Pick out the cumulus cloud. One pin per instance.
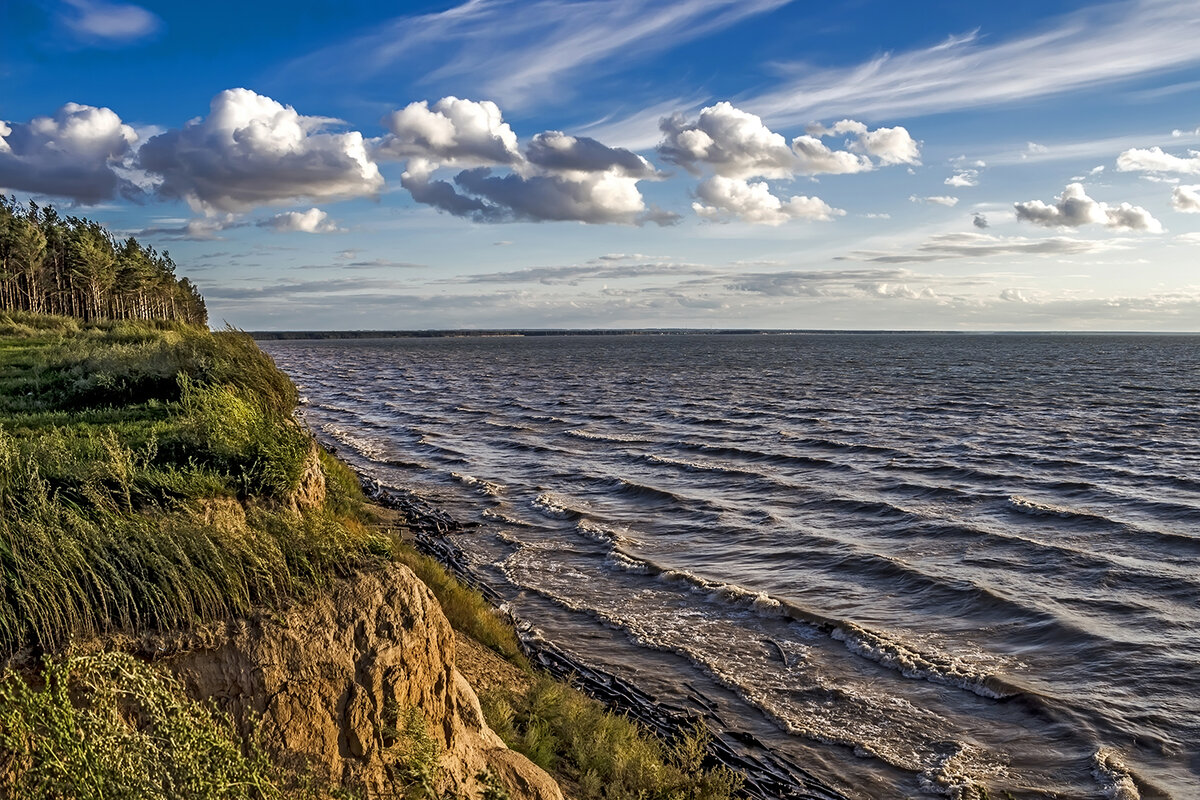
(454, 131)
(100, 23)
(735, 146)
(937, 200)
(730, 198)
(251, 150)
(889, 145)
(1074, 209)
(75, 153)
(1013, 296)
(555, 150)
(1153, 159)
(1186, 199)
(963, 178)
(595, 197)
(312, 221)
(980, 221)
(558, 177)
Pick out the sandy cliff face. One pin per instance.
(329, 683)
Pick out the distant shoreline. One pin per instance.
(536, 332)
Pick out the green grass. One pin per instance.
(466, 609)
(108, 726)
(606, 756)
(146, 471)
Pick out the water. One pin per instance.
(918, 563)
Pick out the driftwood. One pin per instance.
(767, 775)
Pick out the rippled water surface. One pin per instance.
(916, 562)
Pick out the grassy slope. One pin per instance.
(147, 472)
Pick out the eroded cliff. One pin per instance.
(330, 684)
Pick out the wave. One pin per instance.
(1115, 779)
(700, 466)
(556, 506)
(912, 663)
(489, 488)
(624, 438)
(507, 519)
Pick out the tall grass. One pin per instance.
(606, 755)
(145, 476)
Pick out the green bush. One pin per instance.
(108, 726)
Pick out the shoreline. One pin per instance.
(768, 775)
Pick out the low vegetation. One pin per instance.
(109, 726)
(605, 756)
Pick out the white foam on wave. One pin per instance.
(506, 518)
(1027, 506)
(1115, 779)
(367, 447)
(912, 663)
(583, 433)
(555, 505)
(605, 534)
(727, 593)
(489, 488)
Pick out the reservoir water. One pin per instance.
(917, 563)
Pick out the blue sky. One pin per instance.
(621, 163)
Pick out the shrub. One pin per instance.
(108, 726)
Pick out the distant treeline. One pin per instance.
(74, 267)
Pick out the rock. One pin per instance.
(327, 683)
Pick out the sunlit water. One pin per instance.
(914, 562)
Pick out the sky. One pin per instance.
(628, 164)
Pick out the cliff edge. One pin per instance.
(332, 688)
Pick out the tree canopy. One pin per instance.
(73, 266)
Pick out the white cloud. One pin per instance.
(73, 154)
(1153, 159)
(251, 150)
(937, 200)
(102, 23)
(736, 146)
(1186, 199)
(1137, 37)
(963, 178)
(312, 221)
(1074, 208)
(732, 198)
(556, 151)
(1013, 296)
(1189, 238)
(950, 246)
(518, 50)
(454, 131)
(559, 177)
(890, 145)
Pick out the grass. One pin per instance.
(108, 726)
(146, 477)
(605, 756)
